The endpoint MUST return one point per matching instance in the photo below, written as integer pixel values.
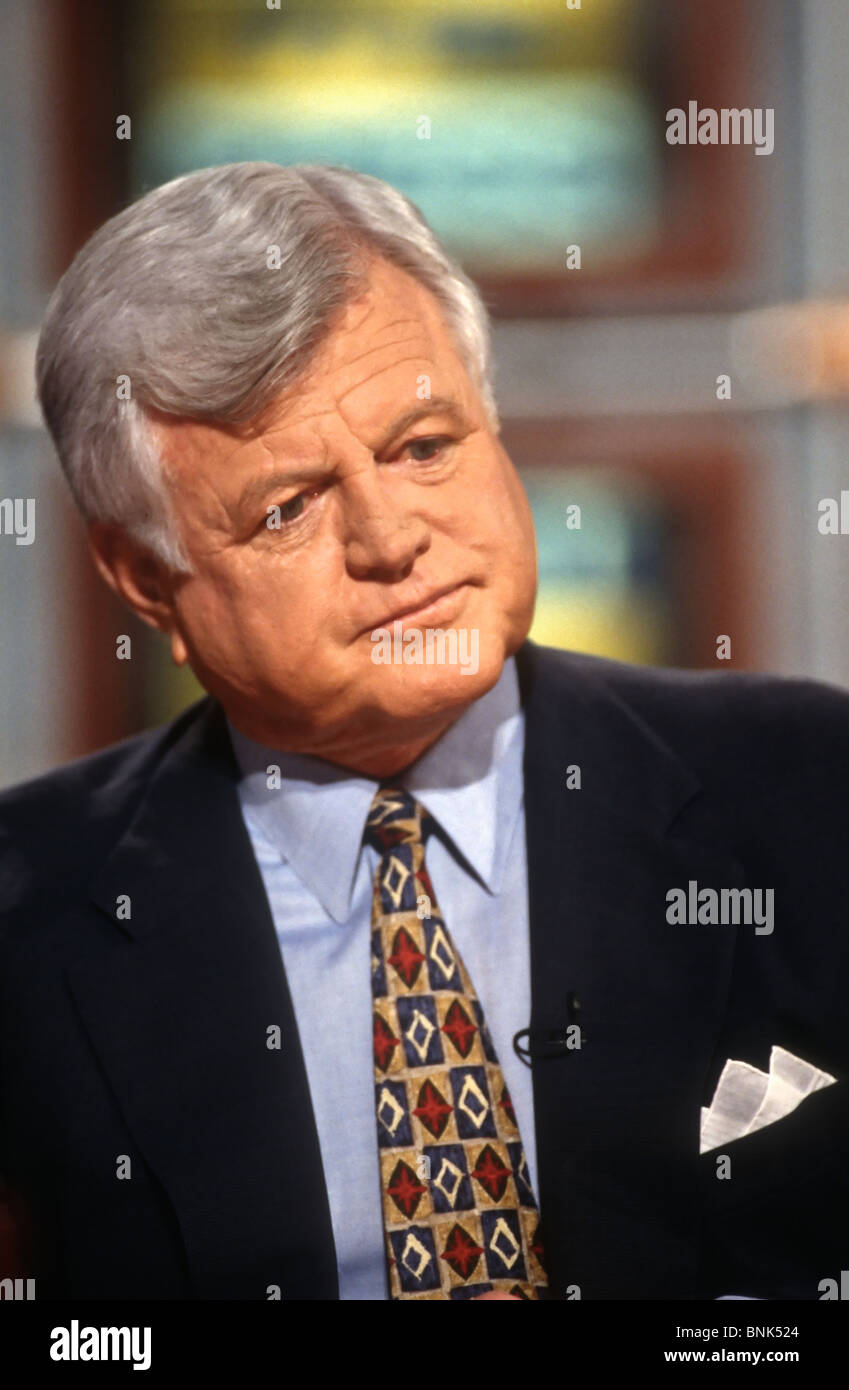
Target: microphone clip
(546, 1043)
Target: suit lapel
(618, 1120)
(179, 1006)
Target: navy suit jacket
(144, 1038)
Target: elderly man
(415, 961)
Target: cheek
(267, 612)
(212, 624)
(504, 515)
(206, 605)
(517, 515)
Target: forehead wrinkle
(378, 371)
(275, 461)
(294, 420)
(371, 304)
(313, 414)
(404, 321)
(380, 347)
(181, 455)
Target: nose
(383, 536)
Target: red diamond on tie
(405, 1189)
(461, 1252)
(432, 1109)
(491, 1173)
(406, 959)
(384, 1043)
(460, 1028)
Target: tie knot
(395, 818)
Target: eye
(291, 510)
(425, 448)
(282, 514)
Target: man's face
(395, 501)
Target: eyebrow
(260, 487)
(437, 405)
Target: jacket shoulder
(54, 826)
(733, 719)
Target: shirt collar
(470, 780)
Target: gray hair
(176, 293)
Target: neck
(372, 754)
(390, 761)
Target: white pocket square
(746, 1099)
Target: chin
(419, 690)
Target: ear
(138, 577)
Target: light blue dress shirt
(307, 838)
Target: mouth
(439, 606)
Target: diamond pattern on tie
(458, 1211)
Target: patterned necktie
(458, 1210)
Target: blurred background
(671, 333)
